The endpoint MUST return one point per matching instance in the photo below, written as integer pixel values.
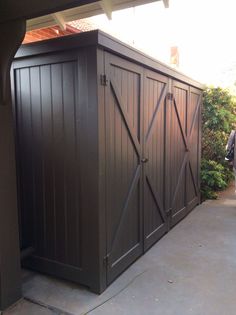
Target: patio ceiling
(84, 11)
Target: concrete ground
(190, 271)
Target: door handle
(144, 160)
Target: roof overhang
(84, 11)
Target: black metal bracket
(169, 96)
(106, 260)
(144, 160)
(104, 80)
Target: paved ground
(190, 271)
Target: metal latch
(169, 96)
(104, 80)
(106, 260)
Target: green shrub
(213, 178)
(218, 119)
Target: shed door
(155, 220)
(123, 167)
(178, 151)
(184, 148)
(194, 139)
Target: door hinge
(106, 260)
(169, 96)
(104, 80)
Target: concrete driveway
(190, 271)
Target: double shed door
(134, 118)
(151, 178)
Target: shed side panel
(57, 140)
(49, 122)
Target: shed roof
(109, 43)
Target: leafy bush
(218, 119)
(213, 178)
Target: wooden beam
(58, 18)
(106, 5)
(166, 3)
(11, 36)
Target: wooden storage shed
(108, 153)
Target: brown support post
(11, 36)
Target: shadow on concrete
(190, 271)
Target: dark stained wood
(195, 142)
(88, 134)
(11, 36)
(102, 172)
(123, 169)
(111, 157)
(167, 148)
(132, 54)
(37, 237)
(155, 218)
(57, 152)
(184, 162)
(59, 156)
(178, 151)
(101, 39)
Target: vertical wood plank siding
(123, 106)
(108, 150)
(46, 119)
(55, 107)
(155, 221)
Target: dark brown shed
(108, 151)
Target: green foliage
(218, 119)
(213, 178)
(218, 110)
